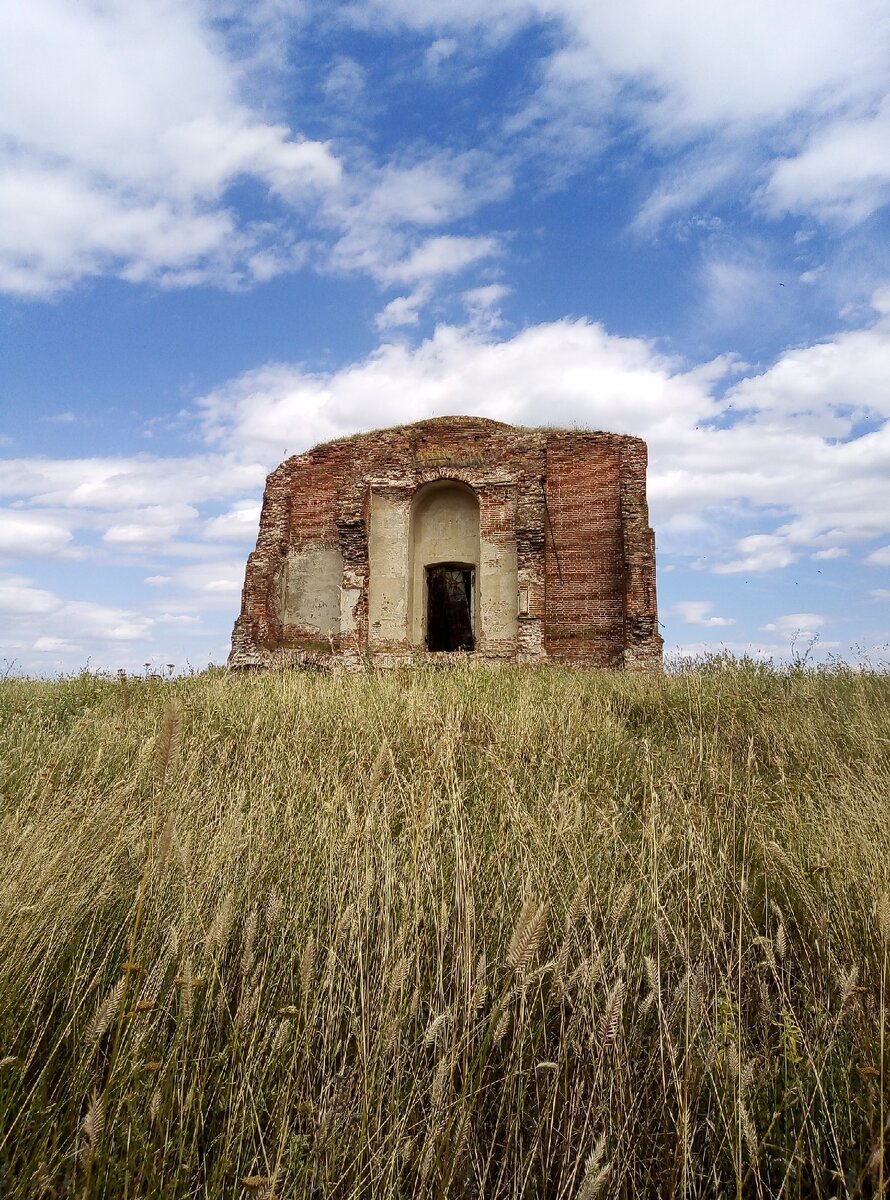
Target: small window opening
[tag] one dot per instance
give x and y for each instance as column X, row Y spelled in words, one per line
column 449, row 607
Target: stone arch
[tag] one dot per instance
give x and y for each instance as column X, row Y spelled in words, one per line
column 444, row 532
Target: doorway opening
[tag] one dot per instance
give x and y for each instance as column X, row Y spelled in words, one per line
column 450, row 597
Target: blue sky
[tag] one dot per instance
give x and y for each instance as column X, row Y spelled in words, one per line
column 229, row 231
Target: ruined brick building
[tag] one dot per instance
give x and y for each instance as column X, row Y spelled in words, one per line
column 457, row 535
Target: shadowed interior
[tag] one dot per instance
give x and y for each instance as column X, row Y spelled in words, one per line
column 449, row 607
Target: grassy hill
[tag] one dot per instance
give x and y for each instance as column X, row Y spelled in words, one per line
column 471, row 933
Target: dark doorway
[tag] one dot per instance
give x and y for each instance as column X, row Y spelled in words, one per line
column 449, row 607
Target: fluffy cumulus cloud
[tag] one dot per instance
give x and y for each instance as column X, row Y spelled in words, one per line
column 125, row 129
column 698, row 612
column 387, row 221
column 768, row 469
column 122, row 127
column 178, row 143
column 570, row 372
column 793, row 90
column 153, row 525
column 29, row 535
column 841, row 173
column 806, row 442
column 238, row 524
column 804, row 626
column 119, row 484
column 36, row 619
column 117, row 514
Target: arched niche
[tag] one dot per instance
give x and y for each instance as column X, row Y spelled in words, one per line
column 444, row 566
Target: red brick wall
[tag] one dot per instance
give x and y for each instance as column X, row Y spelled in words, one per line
column 585, row 586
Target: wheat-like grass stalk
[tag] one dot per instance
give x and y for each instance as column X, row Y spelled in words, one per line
column 596, row 1172
column 307, row 969
column 610, row 1022
column 441, row 1079
column 220, row 928
column 647, row 841
column 527, row 935
column 274, row 907
column 107, row 1011
column 93, row 1124
column 248, row 951
column 167, row 745
column 435, row 1029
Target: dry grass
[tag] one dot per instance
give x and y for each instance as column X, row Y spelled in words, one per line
column 538, row 934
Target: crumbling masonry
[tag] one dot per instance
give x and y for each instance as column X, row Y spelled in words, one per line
column 454, row 536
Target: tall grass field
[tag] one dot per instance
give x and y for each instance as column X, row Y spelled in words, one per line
column 464, row 933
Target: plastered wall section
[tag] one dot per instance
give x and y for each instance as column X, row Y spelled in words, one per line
column 309, row 597
column 444, row 527
column 442, row 522
column 497, row 627
column 389, row 554
column 280, row 619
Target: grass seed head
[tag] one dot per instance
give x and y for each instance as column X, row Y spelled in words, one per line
column 527, row 935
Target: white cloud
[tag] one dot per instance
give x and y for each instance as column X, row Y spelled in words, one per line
column 444, row 255
column 55, row 645
column 697, row 612
column 841, row 174
column 19, row 595
column 438, row 52
column 157, row 580
column 101, row 508
column 403, row 310
column 48, row 622
column 213, row 584
column 487, row 296
column 785, row 443
column 571, row 372
column 117, row 483
column 679, row 74
column 345, row 82
column 759, row 552
column 482, row 303
column 132, row 177
column 683, row 187
column 171, row 618
column 796, row 625
column 239, row 524
column 880, row 593
column 879, row 558
column 830, row 553
column 136, row 179
column 154, row 525
column 381, row 217
column 696, row 62
column 733, row 288
column 24, row 535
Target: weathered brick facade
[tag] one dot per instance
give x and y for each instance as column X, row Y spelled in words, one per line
column 546, row 534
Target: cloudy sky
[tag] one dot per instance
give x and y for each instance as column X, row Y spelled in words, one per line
column 230, row 230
